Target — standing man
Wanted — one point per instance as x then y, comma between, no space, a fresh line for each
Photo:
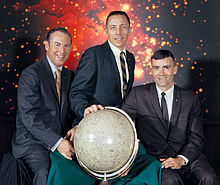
104,76
106,72
169,124
43,110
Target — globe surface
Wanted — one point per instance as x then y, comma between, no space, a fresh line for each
104,141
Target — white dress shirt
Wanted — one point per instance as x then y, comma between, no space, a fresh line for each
169,101
168,98
116,53
54,68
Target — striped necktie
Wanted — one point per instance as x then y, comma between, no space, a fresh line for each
58,83
123,70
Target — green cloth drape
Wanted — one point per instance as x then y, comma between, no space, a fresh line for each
144,170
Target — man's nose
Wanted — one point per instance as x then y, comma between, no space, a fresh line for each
161,71
61,49
118,30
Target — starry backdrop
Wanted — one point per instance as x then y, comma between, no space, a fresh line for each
189,28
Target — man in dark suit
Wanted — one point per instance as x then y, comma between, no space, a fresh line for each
43,117
100,79
104,77
170,128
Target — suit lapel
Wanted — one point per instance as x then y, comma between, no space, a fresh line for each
111,59
155,102
64,86
176,105
49,78
130,69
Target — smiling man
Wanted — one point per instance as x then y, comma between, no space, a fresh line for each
43,115
169,124
102,78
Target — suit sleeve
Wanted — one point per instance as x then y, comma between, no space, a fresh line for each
34,116
84,83
195,136
130,104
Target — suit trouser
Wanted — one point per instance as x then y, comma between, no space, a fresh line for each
39,163
199,171
144,170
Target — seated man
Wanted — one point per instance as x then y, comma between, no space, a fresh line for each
43,107
169,124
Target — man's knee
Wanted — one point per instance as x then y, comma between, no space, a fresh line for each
203,172
40,170
209,178
40,177
174,180
171,177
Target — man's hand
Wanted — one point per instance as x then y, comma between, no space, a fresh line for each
124,173
173,163
66,148
70,134
92,108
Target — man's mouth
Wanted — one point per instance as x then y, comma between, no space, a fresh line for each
162,78
118,39
60,56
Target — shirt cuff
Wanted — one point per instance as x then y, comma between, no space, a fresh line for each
56,145
185,159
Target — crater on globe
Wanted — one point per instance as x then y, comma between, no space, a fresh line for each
106,143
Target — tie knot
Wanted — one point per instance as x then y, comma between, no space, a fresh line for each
163,94
58,73
122,54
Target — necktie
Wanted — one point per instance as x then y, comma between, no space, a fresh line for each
123,70
164,108
58,83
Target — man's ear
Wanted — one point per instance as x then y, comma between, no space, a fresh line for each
106,31
129,32
175,69
46,46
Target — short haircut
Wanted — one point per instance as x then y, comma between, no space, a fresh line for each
61,29
163,53
118,13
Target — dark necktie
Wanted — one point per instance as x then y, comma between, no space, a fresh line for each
58,83
164,108
123,70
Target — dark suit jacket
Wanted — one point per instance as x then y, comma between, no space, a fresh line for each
40,119
97,79
185,133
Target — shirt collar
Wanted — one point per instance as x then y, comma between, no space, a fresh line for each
115,50
169,92
53,67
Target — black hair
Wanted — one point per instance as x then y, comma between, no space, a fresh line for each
118,13
163,53
61,29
